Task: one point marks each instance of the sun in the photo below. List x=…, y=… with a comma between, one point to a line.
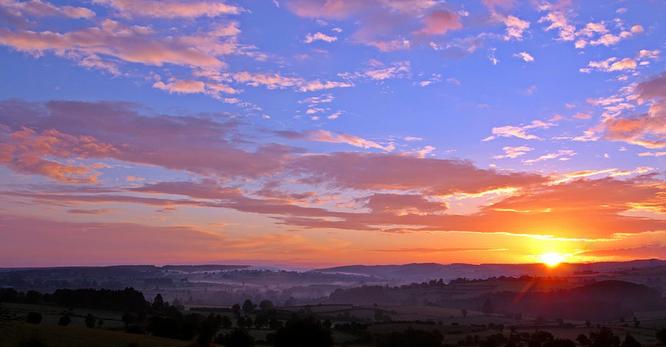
x=552, y=259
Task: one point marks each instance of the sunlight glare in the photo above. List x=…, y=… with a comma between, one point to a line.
x=552, y=259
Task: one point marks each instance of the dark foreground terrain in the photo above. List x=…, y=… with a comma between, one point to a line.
x=609, y=304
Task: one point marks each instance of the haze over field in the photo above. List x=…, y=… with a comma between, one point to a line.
x=320, y=133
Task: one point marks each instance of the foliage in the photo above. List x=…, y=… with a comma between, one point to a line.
x=33, y=318
x=236, y=338
x=303, y=332
x=411, y=338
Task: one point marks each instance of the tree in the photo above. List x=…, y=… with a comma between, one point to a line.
x=90, y=320
x=158, y=303
x=266, y=305
x=303, y=332
x=226, y=322
x=248, y=306
x=630, y=341
x=560, y=343
x=208, y=329
x=661, y=336
x=236, y=309
x=418, y=338
x=583, y=340
x=604, y=338
x=236, y=338
x=464, y=313
x=64, y=320
x=261, y=320
x=33, y=318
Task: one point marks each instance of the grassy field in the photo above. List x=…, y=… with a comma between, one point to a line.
x=74, y=336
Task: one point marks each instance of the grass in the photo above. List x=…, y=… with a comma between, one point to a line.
x=74, y=336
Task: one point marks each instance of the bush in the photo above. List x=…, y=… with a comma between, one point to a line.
x=303, y=332
x=661, y=336
x=64, y=320
x=34, y=318
x=236, y=338
x=411, y=338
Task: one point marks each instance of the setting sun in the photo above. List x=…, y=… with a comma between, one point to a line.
x=552, y=259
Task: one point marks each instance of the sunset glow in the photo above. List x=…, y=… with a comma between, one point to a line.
x=316, y=133
x=552, y=259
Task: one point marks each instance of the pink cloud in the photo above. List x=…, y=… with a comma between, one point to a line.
x=387, y=25
x=439, y=22
x=133, y=44
x=327, y=136
x=40, y=8
x=27, y=151
x=170, y=8
x=192, y=144
x=648, y=129
x=367, y=171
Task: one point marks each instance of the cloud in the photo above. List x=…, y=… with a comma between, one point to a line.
x=170, y=8
x=515, y=27
x=277, y=81
x=27, y=151
x=562, y=154
x=652, y=154
x=132, y=44
x=611, y=64
x=318, y=36
x=175, y=86
x=329, y=137
x=647, y=129
x=519, y=131
x=439, y=22
x=190, y=143
x=514, y=152
x=558, y=20
x=374, y=171
x=524, y=56
x=40, y=242
x=379, y=72
x=387, y=25
x=402, y=204
x=581, y=209
x=604, y=37
x=40, y=8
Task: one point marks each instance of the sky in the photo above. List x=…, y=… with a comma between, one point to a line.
x=310, y=133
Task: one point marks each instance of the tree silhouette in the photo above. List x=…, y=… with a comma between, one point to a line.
x=630, y=341
x=303, y=332
x=583, y=340
x=415, y=338
x=248, y=306
x=33, y=318
x=226, y=322
x=604, y=338
x=236, y=309
x=236, y=338
x=158, y=303
x=661, y=336
x=266, y=305
x=64, y=320
x=90, y=320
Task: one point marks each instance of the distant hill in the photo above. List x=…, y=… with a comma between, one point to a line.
x=605, y=300
x=419, y=272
